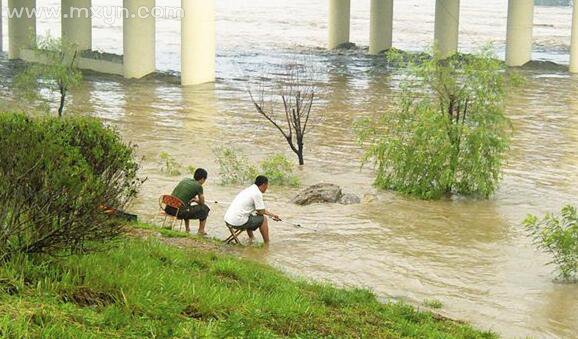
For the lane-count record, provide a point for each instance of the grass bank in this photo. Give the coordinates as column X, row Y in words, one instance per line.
column 148, row 288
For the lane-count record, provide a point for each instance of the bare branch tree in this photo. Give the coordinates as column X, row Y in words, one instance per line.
column 298, row 94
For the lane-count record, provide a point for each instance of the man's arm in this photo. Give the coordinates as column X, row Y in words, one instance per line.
column 199, row 199
column 260, row 208
column 271, row 214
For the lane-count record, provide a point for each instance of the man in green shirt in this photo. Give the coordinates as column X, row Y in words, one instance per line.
column 190, row 192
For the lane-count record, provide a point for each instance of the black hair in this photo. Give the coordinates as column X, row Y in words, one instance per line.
column 261, row 180
column 200, row 174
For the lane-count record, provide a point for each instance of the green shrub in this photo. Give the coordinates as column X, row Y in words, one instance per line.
column 234, row 166
column 191, row 169
column 56, row 178
column 558, row 236
column 447, row 134
column 169, row 165
column 279, row 170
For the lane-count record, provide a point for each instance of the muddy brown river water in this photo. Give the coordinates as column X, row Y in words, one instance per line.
column 473, row 256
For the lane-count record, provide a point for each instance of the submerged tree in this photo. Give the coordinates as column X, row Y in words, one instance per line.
column 56, row 70
column 298, row 93
column 447, row 132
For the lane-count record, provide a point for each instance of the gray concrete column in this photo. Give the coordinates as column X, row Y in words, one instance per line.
column 339, row 17
column 77, row 23
column 574, row 40
column 139, row 28
column 1, row 30
column 198, row 42
column 21, row 26
column 447, row 27
column 519, row 36
column 381, row 26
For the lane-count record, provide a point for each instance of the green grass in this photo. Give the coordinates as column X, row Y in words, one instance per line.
column 433, row 303
column 166, row 231
column 144, row 288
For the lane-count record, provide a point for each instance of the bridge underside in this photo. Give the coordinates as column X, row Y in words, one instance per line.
column 198, row 38
column 198, row 34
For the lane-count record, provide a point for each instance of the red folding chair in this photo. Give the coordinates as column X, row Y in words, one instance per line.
column 174, row 202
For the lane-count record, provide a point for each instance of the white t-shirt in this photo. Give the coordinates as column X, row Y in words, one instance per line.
column 245, row 203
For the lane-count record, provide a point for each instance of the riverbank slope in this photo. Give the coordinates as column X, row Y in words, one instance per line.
column 165, row 284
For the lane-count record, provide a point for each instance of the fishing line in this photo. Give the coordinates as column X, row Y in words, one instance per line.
column 298, row 225
column 281, row 220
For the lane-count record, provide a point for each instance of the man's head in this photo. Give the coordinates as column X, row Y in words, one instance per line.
column 200, row 175
column 262, row 182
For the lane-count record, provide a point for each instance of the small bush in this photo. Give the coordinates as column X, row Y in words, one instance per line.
column 169, row 165
column 191, row 169
column 234, row 166
column 558, row 236
column 279, row 170
column 56, row 178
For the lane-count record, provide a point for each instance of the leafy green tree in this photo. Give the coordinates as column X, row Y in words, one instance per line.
column 558, row 236
column 56, row 70
column 447, row 133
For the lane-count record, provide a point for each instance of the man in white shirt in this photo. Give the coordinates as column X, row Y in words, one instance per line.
column 247, row 211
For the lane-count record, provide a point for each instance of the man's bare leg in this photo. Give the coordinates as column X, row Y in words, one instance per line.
column 264, row 229
column 202, row 224
column 251, row 235
column 187, row 226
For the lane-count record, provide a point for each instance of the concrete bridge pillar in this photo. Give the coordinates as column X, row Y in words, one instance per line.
column 1, row 32
column 198, row 42
column 574, row 41
column 381, row 26
column 21, row 26
column 447, row 27
column 339, row 17
column 77, row 23
column 519, row 36
column 139, row 28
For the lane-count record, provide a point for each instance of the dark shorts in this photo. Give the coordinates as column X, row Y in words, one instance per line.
column 200, row 212
column 254, row 222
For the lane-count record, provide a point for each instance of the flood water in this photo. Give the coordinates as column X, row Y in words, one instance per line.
column 473, row 256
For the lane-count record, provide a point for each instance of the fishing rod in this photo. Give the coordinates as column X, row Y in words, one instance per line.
column 297, row 225
column 280, row 220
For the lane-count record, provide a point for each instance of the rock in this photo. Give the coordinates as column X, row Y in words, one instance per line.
column 318, row 193
column 349, row 199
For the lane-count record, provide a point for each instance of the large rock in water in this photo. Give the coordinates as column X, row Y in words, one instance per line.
column 318, row 193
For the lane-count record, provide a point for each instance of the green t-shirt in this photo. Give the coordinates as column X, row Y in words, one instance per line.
column 187, row 189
